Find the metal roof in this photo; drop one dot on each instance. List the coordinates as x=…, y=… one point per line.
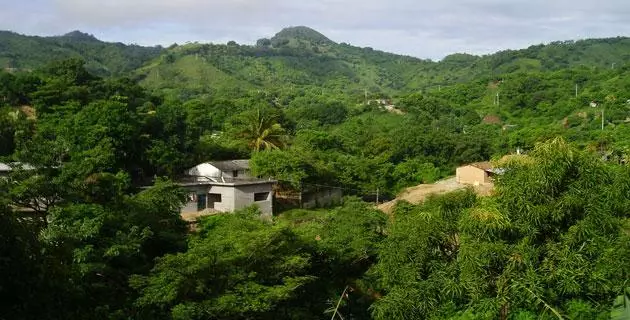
x=230, y=165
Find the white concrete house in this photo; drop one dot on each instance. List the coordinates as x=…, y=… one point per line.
x=225, y=186
x=6, y=168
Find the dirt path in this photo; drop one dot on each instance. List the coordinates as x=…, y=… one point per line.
x=418, y=193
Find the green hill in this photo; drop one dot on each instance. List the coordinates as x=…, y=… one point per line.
x=300, y=57
x=20, y=52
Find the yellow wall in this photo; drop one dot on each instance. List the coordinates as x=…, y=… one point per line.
x=472, y=175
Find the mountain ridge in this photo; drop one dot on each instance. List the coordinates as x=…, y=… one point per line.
x=299, y=57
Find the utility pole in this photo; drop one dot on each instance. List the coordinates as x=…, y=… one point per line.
x=576, y=89
x=602, y=118
x=301, y=192
x=365, y=93
x=376, y=195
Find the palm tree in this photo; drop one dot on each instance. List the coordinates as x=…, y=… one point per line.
x=261, y=131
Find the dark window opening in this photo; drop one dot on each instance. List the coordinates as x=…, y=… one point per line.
x=235, y=173
x=213, y=198
x=261, y=196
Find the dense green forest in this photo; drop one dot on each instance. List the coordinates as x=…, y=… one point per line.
x=97, y=135
x=18, y=52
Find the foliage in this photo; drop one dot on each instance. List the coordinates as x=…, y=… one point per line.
x=247, y=269
x=259, y=129
x=552, y=242
x=239, y=267
x=28, y=52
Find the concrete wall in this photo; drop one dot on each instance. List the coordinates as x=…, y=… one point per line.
x=472, y=175
x=232, y=198
x=323, y=198
x=245, y=197
x=191, y=205
x=205, y=170
x=228, y=198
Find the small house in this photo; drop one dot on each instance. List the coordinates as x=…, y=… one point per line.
x=225, y=186
x=6, y=168
x=478, y=173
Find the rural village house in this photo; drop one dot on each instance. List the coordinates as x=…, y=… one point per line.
x=478, y=173
x=6, y=168
x=225, y=186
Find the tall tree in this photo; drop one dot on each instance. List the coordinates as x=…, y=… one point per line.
x=260, y=129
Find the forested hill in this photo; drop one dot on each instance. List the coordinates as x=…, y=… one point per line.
x=20, y=52
x=299, y=57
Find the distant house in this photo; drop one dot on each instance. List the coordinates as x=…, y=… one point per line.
x=6, y=168
x=225, y=186
x=478, y=173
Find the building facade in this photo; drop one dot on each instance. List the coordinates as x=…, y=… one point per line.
x=478, y=173
x=225, y=186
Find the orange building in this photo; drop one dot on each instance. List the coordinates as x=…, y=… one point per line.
x=477, y=173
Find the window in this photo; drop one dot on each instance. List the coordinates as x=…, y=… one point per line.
x=261, y=196
x=235, y=173
x=213, y=198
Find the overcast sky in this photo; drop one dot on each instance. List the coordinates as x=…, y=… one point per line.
x=425, y=29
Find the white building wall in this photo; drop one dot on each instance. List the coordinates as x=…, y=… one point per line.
x=232, y=198
x=205, y=170
x=191, y=205
x=245, y=197
x=228, y=198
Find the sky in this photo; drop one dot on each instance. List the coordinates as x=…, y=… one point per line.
x=424, y=29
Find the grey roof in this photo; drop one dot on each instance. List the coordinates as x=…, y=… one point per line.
x=230, y=165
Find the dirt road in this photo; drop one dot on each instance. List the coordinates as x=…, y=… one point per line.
x=418, y=193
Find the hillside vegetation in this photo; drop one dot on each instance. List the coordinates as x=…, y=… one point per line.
x=19, y=52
